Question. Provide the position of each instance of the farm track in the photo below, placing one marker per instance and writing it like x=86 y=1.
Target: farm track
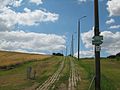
x=74 y=75
x=51 y=80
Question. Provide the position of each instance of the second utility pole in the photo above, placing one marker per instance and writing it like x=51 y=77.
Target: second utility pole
x=79 y=36
x=72 y=46
x=78 y=39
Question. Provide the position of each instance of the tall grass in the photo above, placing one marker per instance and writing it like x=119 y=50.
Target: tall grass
x=106 y=83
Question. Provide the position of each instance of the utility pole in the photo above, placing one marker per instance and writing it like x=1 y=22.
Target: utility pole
x=66 y=50
x=62 y=52
x=72 y=46
x=97 y=41
x=79 y=36
x=78 y=39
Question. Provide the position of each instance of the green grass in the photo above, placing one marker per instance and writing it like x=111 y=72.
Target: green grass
x=84 y=83
x=9 y=80
x=110 y=73
x=49 y=70
x=15 y=79
x=111 y=70
x=62 y=84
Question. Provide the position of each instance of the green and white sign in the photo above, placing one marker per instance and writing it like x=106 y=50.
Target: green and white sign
x=97 y=40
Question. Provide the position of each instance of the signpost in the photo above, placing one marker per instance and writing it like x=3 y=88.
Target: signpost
x=29 y=70
x=97 y=40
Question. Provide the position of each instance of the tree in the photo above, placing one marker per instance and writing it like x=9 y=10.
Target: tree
x=118 y=54
x=112 y=56
x=58 y=54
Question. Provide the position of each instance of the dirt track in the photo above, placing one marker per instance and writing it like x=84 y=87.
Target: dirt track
x=50 y=81
x=74 y=76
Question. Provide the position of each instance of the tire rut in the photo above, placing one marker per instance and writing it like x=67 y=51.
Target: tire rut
x=50 y=81
x=74 y=76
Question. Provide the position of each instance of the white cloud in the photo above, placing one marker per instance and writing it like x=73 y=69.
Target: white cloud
x=27 y=10
x=81 y=1
x=113 y=7
x=4 y=27
x=87 y=38
x=6 y=3
x=111 y=41
x=115 y=27
x=30 y=41
x=110 y=21
x=36 y=1
x=9 y=17
x=84 y=54
x=35 y=17
x=17 y=3
x=26 y=41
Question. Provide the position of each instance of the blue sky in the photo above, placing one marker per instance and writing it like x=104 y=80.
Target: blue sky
x=46 y=26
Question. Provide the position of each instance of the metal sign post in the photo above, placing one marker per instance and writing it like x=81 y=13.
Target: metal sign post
x=29 y=70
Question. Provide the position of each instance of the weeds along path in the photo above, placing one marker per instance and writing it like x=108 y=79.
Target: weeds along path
x=74 y=75
x=51 y=80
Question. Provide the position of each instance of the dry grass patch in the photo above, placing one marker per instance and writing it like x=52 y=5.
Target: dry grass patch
x=14 y=58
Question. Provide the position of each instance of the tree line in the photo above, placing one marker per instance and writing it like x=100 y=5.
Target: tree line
x=117 y=56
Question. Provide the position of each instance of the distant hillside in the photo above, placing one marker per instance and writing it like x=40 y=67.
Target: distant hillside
x=115 y=56
x=15 y=58
x=118 y=54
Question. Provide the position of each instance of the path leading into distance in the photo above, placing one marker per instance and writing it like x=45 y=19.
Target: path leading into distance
x=74 y=76
x=51 y=80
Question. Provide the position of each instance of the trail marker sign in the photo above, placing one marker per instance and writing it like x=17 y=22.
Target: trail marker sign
x=97 y=40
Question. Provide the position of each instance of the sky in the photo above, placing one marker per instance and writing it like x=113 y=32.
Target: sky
x=46 y=26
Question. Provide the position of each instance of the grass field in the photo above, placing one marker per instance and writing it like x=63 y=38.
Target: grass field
x=16 y=79
x=110 y=73
x=58 y=75
x=15 y=58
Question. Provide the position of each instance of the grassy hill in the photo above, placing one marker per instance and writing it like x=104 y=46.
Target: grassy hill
x=10 y=59
x=55 y=72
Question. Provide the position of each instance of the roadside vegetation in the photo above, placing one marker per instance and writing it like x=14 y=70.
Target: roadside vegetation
x=84 y=83
x=55 y=72
x=16 y=78
x=110 y=73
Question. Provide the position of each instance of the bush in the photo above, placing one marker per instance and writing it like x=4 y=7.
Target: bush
x=58 y=54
